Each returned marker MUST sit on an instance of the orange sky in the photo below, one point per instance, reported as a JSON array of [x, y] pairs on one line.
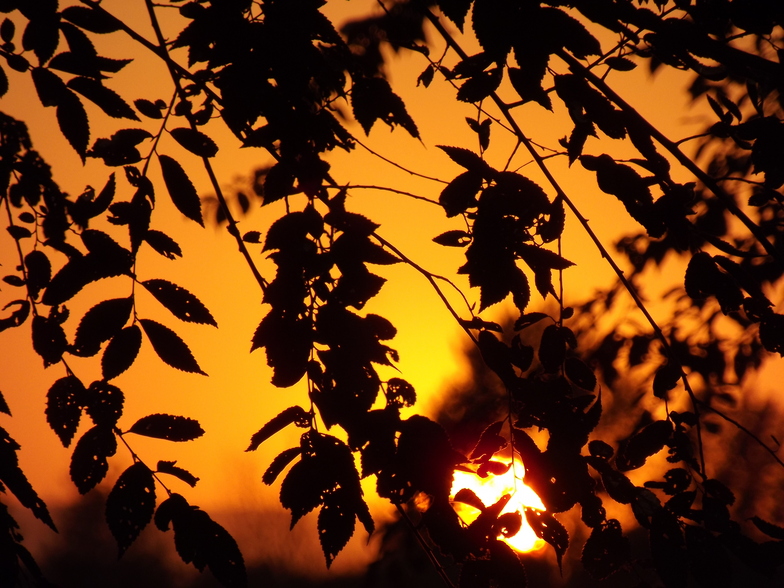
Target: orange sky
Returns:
[[236, 398]]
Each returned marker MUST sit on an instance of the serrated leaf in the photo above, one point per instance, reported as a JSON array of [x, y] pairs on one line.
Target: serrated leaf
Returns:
[[460, 194], [48, 339], [163, 244], [121, 352], [195, 141], [181, 303], [373, 99], [279, 464], [169, 467], [547, 527], [336, 523], [105, 98], [89, 459], [606, 550], [480, 86], [644, 444], [130, 505], [168, 427], [72, 119], [41, 36], [95, 20], [148, 108], [293, 414], [620, 63], [14, 479], [49, 86], [64, 402], [104, 403], [102, 322], [469, 160], [170, 347], [181, 190]]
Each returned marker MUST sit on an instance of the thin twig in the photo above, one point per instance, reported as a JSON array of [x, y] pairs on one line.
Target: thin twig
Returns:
[[754, 437]]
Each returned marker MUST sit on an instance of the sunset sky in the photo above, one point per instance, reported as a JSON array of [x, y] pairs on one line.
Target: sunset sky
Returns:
[[237, 398]]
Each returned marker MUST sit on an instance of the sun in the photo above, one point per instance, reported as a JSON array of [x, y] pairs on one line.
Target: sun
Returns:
[[489, 490]]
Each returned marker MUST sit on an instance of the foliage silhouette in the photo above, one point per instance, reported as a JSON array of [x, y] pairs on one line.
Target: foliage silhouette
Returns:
[[277, 73]]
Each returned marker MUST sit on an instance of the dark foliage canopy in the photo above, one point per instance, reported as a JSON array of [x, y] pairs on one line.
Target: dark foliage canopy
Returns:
[[283, 79]]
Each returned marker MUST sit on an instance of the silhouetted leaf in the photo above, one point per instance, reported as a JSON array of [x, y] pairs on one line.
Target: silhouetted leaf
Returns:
[[769, 529], [400, 393], [169, 467], [167, 426], [553, 227], [64, 403], [18, 316], [335, 523], [455, 10], [130, 505], [373, 99], [552, 348], [121, 352], [104, 403], [182, 304], [480, 86], [195, 141], [163, 244], [106, 99], [3, 82], [644, 444], [181, 189], [170, 347], [547, 527], [120, 148], [49, 86], [606, 550], [148, 108], [94, 20], [666, 378], [41, 36], [293, 414], [469, 497], [507, 569], [287, 342], [771, 332], [102, 322], [460, 195], [469, 160], [279, 464], [426, 77], [579, 373], [4, 405], [72, 120], [620, 63], [48, 339], [14, 479], [105, 259], [89, 460]]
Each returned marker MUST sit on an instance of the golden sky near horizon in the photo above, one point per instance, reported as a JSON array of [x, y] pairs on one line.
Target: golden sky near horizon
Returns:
[[237, 398]]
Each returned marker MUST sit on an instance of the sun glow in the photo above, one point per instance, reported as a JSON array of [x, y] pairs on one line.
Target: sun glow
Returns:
[[489, 490]]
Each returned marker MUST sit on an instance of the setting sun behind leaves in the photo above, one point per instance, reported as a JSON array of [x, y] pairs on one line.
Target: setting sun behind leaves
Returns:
[[490, 490]]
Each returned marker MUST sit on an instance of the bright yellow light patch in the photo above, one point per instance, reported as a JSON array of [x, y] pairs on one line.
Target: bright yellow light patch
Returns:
[[490, 490]]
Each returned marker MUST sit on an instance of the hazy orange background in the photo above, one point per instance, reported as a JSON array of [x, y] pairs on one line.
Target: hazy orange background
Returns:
[[236, 398]]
